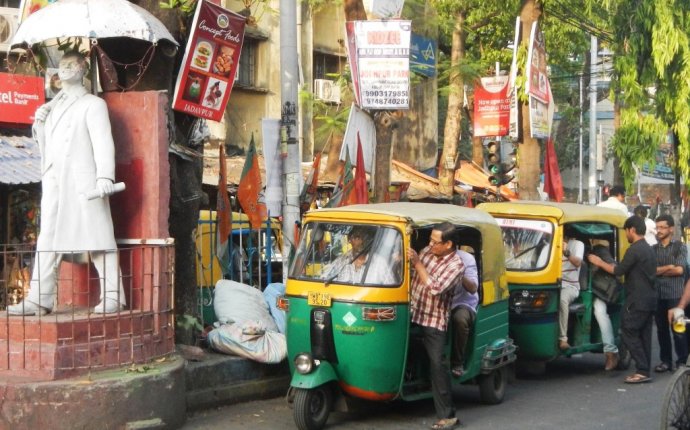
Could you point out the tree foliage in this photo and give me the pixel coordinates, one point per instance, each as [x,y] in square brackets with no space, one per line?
[652,69]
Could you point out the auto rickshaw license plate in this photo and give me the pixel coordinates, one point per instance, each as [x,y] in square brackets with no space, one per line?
[318,299]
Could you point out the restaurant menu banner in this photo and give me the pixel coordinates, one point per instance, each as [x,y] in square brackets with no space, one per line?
[536,83]
[20,96]
[383,63]
[210,62]
[491,107]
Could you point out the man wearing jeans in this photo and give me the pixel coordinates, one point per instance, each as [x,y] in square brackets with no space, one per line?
[573,252]
[670,263]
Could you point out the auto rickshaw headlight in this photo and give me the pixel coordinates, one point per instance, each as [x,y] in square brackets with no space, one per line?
[303,363]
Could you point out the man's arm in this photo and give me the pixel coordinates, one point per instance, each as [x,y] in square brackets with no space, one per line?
[437,285]
[597,261]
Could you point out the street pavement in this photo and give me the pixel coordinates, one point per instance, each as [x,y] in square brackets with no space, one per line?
[573,393]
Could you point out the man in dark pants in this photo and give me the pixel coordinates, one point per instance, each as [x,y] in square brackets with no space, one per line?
[639,268]
[437,271]
[670,260]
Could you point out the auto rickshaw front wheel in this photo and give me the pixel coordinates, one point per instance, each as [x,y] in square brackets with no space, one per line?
[492,387]
[312,407]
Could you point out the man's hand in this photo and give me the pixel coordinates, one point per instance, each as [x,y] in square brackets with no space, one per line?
[594,259]
[105,187]
[413,256]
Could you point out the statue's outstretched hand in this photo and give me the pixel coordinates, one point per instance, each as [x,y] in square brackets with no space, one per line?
[105,187]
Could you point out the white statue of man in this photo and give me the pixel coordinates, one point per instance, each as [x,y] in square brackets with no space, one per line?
[77,157]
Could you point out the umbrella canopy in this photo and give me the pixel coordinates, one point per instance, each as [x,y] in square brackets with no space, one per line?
[94,19]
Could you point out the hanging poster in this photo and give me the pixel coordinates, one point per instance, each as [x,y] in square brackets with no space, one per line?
[536,82]
[20,96]
[383,62]
[352,59]
[491,107]
[28,7]
[210,62]
[513,131]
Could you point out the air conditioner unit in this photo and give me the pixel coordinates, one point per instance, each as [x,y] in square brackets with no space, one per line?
[9,21]
[326,90]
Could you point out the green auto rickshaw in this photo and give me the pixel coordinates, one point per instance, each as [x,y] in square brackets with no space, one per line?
[353,339]
[532,235]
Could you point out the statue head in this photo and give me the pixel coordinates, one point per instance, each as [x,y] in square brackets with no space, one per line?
[72,68]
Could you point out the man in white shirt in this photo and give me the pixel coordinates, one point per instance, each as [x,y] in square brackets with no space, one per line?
[650,234]
[616,200]
[573,252]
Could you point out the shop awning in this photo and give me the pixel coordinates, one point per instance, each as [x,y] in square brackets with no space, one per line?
[20,160]
[469,174]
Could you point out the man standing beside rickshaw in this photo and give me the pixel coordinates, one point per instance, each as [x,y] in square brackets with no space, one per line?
[639,268]
[437,271]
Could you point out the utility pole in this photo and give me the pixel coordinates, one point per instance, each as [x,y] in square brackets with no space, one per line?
[592,193]
[289,80]
[579,188]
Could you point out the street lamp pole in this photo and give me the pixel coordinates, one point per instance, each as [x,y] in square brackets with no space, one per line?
[289,80]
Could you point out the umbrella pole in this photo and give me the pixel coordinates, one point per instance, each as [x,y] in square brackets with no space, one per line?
[94,69]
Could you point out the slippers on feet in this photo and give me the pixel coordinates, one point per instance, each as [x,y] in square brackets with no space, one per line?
[446,424]
[637,378]
[457,371]
[663,367]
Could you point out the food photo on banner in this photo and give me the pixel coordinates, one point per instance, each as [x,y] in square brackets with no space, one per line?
[210,61]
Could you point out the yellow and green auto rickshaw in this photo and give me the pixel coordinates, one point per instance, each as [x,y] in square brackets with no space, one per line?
[532,243]
[351,337]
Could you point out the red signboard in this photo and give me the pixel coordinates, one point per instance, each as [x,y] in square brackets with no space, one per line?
[20,96]
[491,107]
[210,62]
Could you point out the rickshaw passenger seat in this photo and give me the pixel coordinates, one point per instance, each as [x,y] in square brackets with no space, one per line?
[576,308]
[584,276]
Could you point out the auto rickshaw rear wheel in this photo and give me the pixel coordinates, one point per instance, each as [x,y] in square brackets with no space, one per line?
[312,407]
[492,387]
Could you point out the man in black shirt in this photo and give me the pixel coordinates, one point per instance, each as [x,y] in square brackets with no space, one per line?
[639,268]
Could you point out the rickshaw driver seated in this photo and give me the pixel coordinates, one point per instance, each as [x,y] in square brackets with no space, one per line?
[351,266]
[573,253]
[463,310]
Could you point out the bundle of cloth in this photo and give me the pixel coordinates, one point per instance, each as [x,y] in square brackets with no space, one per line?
[249,325]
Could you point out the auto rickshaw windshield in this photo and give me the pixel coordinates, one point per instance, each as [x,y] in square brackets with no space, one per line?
[354,254]
[527,243]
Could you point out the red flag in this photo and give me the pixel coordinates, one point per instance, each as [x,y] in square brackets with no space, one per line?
[553,184]
[468,200]
[223,224]
[309,191]
[250,188]
[361,190]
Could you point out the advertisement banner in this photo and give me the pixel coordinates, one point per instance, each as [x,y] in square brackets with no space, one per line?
[538,118]
[383,61]
[383,9]
[536,82]
[491,107]
[513,131]
[662,172]
[352,59]
[27,7]
[20,96]
[210,62]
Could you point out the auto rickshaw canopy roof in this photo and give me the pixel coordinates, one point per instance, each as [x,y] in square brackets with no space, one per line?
[564,213]
[428,214]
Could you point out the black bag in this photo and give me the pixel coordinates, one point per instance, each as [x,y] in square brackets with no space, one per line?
[605,286]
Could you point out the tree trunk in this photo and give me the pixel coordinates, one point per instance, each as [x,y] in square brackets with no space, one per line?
[451,133]
[529,151]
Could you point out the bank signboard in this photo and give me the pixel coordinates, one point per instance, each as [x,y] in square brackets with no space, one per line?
[20,96]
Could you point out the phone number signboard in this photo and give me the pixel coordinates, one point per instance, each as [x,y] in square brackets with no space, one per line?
[382,50]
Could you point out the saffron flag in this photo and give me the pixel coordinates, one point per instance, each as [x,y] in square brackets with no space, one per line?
[338,192]
[553,184]
[250,188]
[223,213]
[361,190]
[309,191]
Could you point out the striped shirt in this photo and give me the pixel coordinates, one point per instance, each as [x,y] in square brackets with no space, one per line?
[431,301]
[670,287]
